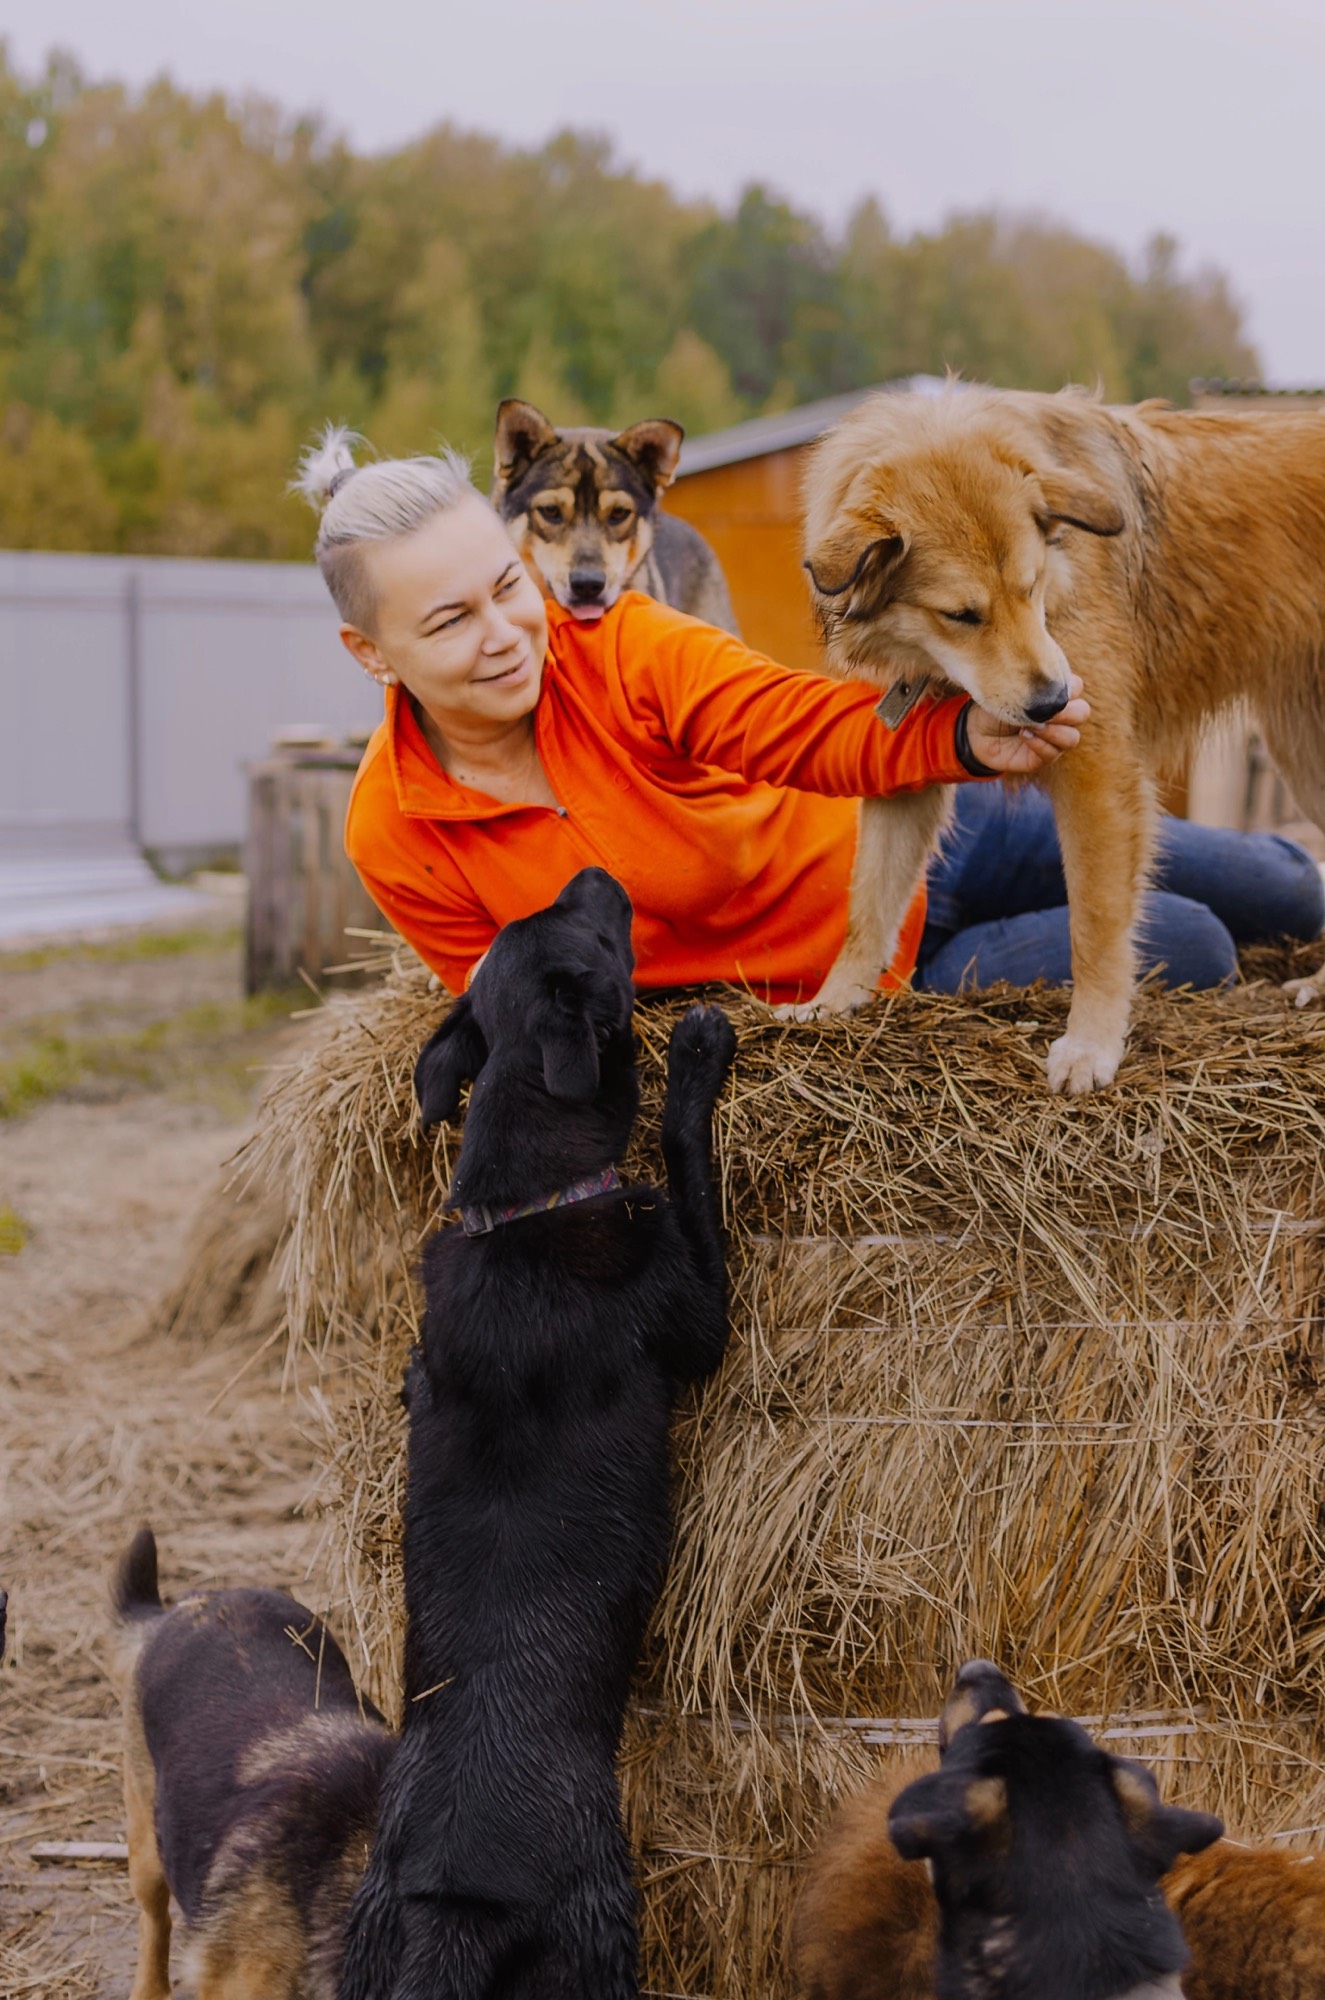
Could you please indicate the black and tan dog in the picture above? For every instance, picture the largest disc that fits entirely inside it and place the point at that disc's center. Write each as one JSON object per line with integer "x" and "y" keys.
{"x": 251, "y": 1781}
{"x": 582, "y": 507}
{"x": 565, "y": 1316}
{"x": 1044, "y": 1856}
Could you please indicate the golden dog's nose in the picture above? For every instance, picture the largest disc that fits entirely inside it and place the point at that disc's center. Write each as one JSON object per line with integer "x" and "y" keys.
{"x": 1047, "y": 707}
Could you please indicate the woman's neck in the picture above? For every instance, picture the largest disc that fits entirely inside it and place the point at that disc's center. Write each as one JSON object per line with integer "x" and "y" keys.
{"x": 501, "y": 760}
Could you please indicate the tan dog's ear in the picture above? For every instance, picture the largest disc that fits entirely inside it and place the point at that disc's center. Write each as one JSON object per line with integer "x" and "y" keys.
{"x": 653, "y": 447}
{"x": 850, "y": 569}
{"x": 522, "y": 432}
{"x": 1079, "y": 502}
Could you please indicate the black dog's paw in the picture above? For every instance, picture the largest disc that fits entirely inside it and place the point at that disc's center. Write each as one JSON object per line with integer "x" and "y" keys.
{"x": 701, "y": 1049}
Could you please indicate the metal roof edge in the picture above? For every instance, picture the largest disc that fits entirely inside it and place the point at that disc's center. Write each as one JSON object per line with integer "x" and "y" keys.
{"x": 1222, "y": 385}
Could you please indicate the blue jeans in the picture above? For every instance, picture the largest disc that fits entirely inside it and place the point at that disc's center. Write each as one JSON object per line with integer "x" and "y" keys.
{"x": 998, "y": 900}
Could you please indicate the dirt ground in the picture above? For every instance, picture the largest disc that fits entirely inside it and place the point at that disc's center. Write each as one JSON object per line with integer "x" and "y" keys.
{"x": 128, "y": 1074}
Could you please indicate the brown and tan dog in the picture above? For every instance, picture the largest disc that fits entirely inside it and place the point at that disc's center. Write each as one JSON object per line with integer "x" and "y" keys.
{"x": 251, "y": 1786}
{"x": 1175, "y": 559}
{"x": 581, "y": 505}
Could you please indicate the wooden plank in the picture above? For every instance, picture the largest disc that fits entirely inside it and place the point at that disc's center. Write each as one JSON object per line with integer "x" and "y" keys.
{"x": 79, "y": 1850}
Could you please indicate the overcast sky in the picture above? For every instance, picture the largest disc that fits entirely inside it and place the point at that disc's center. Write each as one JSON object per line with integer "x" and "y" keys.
{"x": 1203, "y": 117}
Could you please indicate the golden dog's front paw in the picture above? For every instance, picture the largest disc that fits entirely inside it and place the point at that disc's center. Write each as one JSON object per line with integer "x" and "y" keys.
{"x": 795, "y": 1010}
{"x": 1306, "y": 992}
{"x": 826, "y": 1003}
{"x": 1077, "y": 1066}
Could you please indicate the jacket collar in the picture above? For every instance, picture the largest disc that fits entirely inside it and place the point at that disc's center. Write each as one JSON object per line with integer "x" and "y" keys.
{"x": 423, "y": 789}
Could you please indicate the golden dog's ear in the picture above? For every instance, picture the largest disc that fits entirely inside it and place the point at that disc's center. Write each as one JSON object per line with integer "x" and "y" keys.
{"x": 653, "y": 447}
{"x": 522, "y": 432}
{"x": 850, "y": 569}
{"x": 1078, "y": 502}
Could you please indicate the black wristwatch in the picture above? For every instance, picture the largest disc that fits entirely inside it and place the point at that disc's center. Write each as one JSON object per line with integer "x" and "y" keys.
{"x": 961, "y": 743}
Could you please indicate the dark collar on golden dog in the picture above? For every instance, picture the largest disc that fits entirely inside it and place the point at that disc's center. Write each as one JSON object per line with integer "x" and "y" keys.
{"x": 481, "y": 1220}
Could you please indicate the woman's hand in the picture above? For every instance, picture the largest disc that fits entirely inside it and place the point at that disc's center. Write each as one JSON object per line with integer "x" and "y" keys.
{"x": 1022, "y": 751}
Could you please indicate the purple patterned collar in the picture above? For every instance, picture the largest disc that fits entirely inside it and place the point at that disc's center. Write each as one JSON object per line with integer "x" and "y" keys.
{"x": 479, "y": 1221}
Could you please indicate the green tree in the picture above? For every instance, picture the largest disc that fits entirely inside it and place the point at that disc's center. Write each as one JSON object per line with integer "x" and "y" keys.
{"x": 1174, "y": 329}
{"x": 52, "y": 495}
{"x": 188, "y": 285}
{"x": 762, "y": 294}
{"x": 694, "y": 388}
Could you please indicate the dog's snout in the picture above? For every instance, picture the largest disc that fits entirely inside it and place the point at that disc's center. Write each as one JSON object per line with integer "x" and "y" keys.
{"x": 587, "y": 585}
{"x": 1048, "y": 705}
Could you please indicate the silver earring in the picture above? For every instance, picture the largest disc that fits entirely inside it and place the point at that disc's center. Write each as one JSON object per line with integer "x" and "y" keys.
{"x": 388, "y": 680}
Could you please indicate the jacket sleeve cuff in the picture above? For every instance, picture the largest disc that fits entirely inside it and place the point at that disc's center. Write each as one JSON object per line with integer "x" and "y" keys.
{"x": 961, "y": 743}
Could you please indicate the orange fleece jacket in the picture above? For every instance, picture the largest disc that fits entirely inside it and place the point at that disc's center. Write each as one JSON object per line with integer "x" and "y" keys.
{"x": 720, "y": 790}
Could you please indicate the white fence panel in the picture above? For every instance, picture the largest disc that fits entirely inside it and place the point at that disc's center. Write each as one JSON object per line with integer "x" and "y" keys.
{"x": 134, "y": 690}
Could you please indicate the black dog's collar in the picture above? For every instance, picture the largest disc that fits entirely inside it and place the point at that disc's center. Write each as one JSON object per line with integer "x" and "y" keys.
{"x": 479, "y": 1221}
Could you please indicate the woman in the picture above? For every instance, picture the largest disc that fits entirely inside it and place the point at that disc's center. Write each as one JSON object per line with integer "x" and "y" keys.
{"x": 521, "y": 743}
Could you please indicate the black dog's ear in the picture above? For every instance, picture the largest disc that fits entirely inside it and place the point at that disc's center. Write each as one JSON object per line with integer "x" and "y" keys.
{"x": 570, "y": 1056}
{"x": 454, "y": 1055}
{"x": 935, "y": 1813}
{"x": 1161, "y": 1832}
{"x": 522, "y": 432}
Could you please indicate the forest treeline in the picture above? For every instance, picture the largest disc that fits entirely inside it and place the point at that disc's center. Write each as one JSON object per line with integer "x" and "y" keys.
{"x": 188, "y": 285}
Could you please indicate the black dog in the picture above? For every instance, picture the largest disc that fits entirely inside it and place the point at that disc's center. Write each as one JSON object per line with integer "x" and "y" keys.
{"x": 563, "y": 1318}
{"x": 1046, "y": 1855}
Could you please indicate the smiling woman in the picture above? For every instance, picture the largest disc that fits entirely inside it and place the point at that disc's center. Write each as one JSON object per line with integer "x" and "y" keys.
{"x": 521, "y": 744}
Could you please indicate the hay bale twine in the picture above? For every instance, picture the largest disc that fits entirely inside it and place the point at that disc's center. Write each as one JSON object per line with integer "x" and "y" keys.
{"x": 1009, "y": 1375}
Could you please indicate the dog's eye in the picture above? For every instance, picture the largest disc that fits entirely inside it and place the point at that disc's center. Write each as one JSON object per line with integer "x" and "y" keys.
{"x": 552, "y": 515}
{"x": 967, "y": 617}
{"x": 617, "y": 517}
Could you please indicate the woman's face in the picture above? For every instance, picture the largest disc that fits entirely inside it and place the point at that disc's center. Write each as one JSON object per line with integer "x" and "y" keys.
{"x": 459, "y": 620}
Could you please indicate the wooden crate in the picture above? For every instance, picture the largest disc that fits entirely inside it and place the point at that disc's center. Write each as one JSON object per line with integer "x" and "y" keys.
{"x": 303, "y": 892}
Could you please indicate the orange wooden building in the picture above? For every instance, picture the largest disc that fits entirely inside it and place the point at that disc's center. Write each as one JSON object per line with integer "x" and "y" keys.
{"x": 741, "y": 489}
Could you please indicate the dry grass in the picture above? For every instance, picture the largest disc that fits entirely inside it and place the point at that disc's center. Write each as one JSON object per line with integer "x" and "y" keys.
{"x": 98, "y": 1436}
{"x": 28, "y": 1968}
{"x": 1008, "y": 1375}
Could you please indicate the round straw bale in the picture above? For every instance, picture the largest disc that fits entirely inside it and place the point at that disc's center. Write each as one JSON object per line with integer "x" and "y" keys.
{"x": 229, "y": 1277}
{"x": 1010, "y": 1375}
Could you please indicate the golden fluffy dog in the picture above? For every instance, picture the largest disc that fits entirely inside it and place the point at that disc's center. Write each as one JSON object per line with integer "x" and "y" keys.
{"x": 1175, "y": 559}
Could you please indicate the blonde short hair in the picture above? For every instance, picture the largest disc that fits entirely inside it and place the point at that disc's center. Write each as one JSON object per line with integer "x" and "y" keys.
{"x": 371, "y": 503}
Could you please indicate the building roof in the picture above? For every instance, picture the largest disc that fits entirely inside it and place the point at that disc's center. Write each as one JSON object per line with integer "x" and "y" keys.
{"x": 762, "y": 435}
{"x": 1218, "y": 385}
